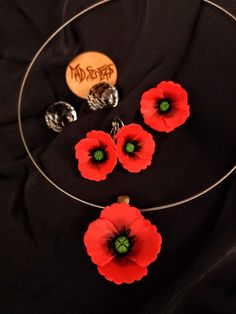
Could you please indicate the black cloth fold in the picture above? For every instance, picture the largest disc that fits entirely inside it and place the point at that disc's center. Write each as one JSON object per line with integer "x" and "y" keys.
{"x": 44, "y": 267}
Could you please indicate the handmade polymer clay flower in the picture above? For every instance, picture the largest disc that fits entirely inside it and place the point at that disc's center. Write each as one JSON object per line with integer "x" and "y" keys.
{"x": 135, "y": 147}
{"x": 96, "y": 155}
{"x": 165, "y": 107}
{"x": 122, "y": 243}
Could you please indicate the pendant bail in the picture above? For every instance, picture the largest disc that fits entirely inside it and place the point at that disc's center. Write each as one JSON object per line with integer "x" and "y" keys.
{"x": 123, "y": 199}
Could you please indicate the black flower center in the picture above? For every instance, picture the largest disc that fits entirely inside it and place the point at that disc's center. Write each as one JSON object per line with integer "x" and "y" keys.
{"x": 121, "y": 243}
{"x": 98, "y": 155}
{"x": 130, "y": 147}
{"x": 164, "y": 106}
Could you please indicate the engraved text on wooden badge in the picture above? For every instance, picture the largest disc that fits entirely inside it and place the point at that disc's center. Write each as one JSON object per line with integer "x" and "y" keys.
{"x": 88, "y": 69}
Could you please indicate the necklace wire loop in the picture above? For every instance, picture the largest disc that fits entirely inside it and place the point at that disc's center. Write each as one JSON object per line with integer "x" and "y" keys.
{"x": 156, "y": 208}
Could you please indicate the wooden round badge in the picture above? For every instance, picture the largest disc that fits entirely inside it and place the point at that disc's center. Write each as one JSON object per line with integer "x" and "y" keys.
{"x": 88, "y": 69}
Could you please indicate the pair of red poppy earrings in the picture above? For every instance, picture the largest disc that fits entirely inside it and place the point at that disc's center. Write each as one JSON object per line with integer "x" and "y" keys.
{"x": 164, "y": 108}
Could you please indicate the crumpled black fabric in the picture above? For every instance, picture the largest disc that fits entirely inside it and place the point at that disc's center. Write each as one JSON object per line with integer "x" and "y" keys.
{"x": 44, "y": 267}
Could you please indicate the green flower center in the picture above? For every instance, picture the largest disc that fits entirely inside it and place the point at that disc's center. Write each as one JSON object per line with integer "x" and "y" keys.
{"x": 129, "y": 148}
{"x": 122, "y": 244}
{"x": 164, "y": 106}
{"x": 99, "y": 155}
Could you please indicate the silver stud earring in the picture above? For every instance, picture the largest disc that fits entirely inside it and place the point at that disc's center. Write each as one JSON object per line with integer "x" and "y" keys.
{"x": 102, "y": 96}
{"x": 60, "y": 114}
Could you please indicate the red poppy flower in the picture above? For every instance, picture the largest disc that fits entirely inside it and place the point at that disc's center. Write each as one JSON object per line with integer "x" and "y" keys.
{"x": 165, "y": 107}
{"x": 122, "y": 243}
{"x": 96, "y": 155}
{"x": 135, "y": 147}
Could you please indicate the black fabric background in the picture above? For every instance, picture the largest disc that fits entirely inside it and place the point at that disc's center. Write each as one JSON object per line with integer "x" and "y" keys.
{"x": 44, "y": 268}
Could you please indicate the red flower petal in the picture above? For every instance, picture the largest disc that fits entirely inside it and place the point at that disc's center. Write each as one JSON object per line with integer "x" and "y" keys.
{"x": 92, "y": 171}
{"x": 149, "y": 101}
{"x": 176, "y": 119}
{"x": 147, "y": 243}
{"x": 96, "y": 171}
{"x": 136, "y": 164}
{"x": 123, "y": 158}
{"x": 120, "y": 215}
{"x": 83, "y": 147}
{"x": 153, "y": 95}
{"x": 104, "y": 138}
{"x": 173, "y": 91}
{"x": 148, "y": 110}
{"x": 122, "y": 270}
{"x": 147, "y": 145}
{"x": 108, "y": 165}
{"x": 181, "y": 105}
{"x": 129, "y": 131}
{"x": 157, "y": 122}
{"x": 96, "y": 241}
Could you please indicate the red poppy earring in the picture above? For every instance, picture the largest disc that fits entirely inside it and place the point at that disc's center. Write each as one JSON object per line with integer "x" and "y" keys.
{"x": 98, "y": 153}
{"x": 165, "y": 107}
{"x": 135, "y": 147}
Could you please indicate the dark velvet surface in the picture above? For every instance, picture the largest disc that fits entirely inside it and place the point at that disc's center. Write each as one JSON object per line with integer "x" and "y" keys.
{"x": 44, "y": 267}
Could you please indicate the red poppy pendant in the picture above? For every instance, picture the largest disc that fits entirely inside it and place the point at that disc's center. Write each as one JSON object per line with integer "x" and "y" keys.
{"x": 122, "y": 243}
